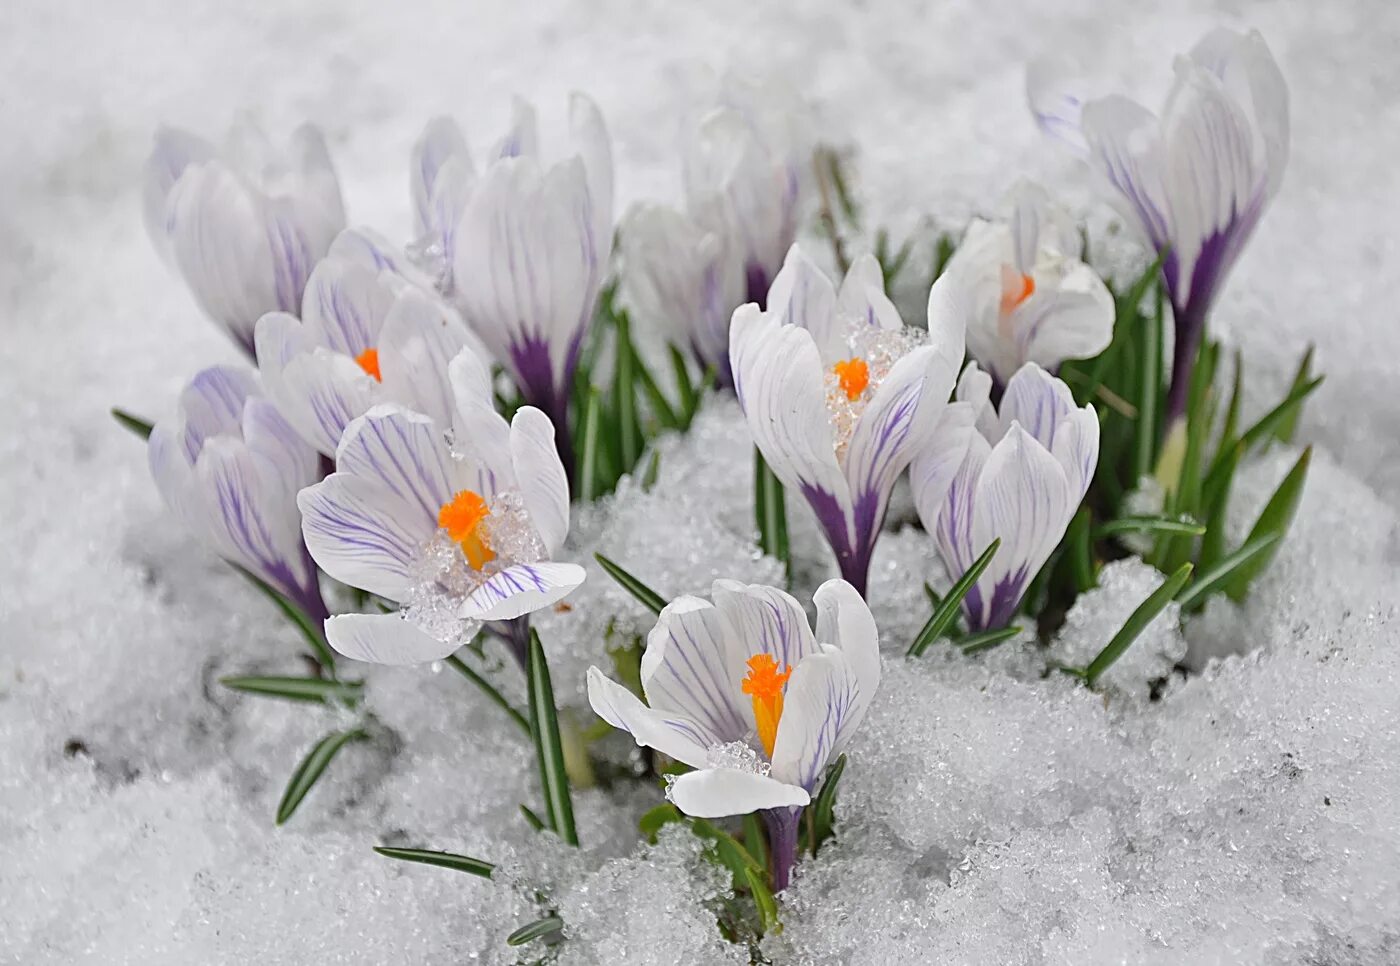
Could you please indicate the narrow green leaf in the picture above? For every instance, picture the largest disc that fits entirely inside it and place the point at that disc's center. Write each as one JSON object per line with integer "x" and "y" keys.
{"x": 661, "y": 407}
{"x": 443, "y": 860}
{"x": 1079, "y": 547}
{"x": 1215, "y": 496}
{"x": 549, "y": 749}
{"x": 763, "y": 900}
{"x": 755, "y": 841}
{"x": 135, "y": 424}
{"x": 653, "y": 471}
{"x": 531, "y": 819}
{"x": 942, "y": 252}
{"x": 1228, "y": 433}
{"x": 488, "y": 689}
{"x": 1150, "y": 389}
{"x": 728, "y": 850}
{"x": 643, "y": 594}
{"x": 307, "y": 690}
{"x": 310, "y": 769}
{"x": 654, "y": 819}
{"x": 946, "y": 611}
{"x": 843, "y": 193}
{"x": 1275, "y": 518}
{"x": 1194, "y": 596}
{"x": 689, "y": 396}
{"x": 1270, "y": 422}
{"x": 986, "y": 640}
{"x": 1173, "y": 525}
{"x": 629, "y": 431}
{"x": 1136, "y": 622}
{"x": 770, "y": 511}
{"x": 313, "y": 634}
{"x": 589, "y": 474}
{"x": 933, "y": 598}
{"x": 824, "y": 806}
{"x": 1288, "y": 425}
{"x": 539, "y": 929}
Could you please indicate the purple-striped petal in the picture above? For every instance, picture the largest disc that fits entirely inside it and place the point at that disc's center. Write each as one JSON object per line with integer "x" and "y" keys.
{"x": 822, "y": 706}
{"x": 764, "y": 620}
{"x": 403, "y": 452}
{"x": 385, "y": 639}
{"x": 520, "y": 590}
{"x": 692, "y": 667}
{"x": 674, "y": 735}
{"x": 359, "y": 535}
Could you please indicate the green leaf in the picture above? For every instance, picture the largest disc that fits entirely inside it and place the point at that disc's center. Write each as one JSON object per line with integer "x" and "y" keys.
{"x": 644, "y": 595}
{"x": 654, "y": 819}
{"x": 653, "y": 471}
{"x": 531, "y": 819}
{"x": 589, "y": 473}
{"x": 689, "y": 396}
{"x": 307, "y": 690}
{"x": 1275, "y": 518}
{"x": 488, "y": 689}
{"x": 539, "y": 929}
{"x": 1288, "y": 425}
{"x": 661, "y": 407}
{"x": 310, "y": 769}
{"x": 313, "y": 634}
{"x": 755, "y": 841}
{"x": 1228, "y": 434}
{"x": 549, "y": 749}
{"x": 629, "y": 433}
{"x": 986, "y": 640}
{"x": 763, "y": 900}
{"x": 1149, "y": 391}
{"x": 135, "y": 424}
{"x": 824, "y": 806}
{"x": 443, "y": 860}
{"x": 1216, "y": 498}
{"x": 770, "y": 511}
{"x": 727, "y": 850}
{"x": 1173, "y": 525}
{"x": 1211, "y": 580}
{"x": 942, "y": 252}
{"x": 1269, "y": 424}
{"x": 945, "y": 613}
{"x": 1136, "y": 622}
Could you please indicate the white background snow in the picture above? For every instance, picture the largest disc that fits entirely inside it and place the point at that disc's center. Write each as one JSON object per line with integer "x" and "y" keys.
{"x": 988, "y": 815}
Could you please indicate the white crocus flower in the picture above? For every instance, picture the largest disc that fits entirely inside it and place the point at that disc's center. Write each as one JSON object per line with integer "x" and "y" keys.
{"x": 372, "y": 330}
{"x": 229, "y": 467}
{"x": 1194, "y": 179}
{"x": 839, "y": 395}
{"x": 522, "y": 247}
{"x": 457, "y": 529}
{"x": 1032, "y": 298}
{"x": 1017, "y": 473}
{"x": 743, "y": 692}
{"x": 243, "y": 226}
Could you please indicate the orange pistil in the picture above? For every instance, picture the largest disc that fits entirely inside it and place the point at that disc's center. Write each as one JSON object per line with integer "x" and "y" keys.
{"x": 1015, "y": 289}
{"x": 764, "y": 684}
{"x": 369, "y": 362}
{"x": 462, "y": 517}
{"x": 853, "y": 375}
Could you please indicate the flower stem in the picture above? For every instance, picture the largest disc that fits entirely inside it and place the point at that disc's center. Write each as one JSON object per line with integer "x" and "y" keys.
{"x": 782, "y": 824}
{"x": 515, "y": 634}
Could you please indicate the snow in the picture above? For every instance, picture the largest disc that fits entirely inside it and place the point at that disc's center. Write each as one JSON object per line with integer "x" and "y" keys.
{"x": 989, "y": 814}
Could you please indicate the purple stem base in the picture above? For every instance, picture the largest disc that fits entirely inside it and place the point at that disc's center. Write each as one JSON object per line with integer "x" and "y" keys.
{"x": 782, "y": 824}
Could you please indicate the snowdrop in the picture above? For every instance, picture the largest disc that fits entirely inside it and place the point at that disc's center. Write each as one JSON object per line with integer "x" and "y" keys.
{"x": 1017, "y": 474}
{"x": 1195, "y": 179}
{"x": 1032, "y": 298}
{"x": 458, "y": 530}
{"x": 744, "y": 693}
{"x": 229, "y": 467}
{"x": 839, "y": 395}
{"x": 243, "y": 226}
{"x": 369, "y": 333}
{"x": 522, "y": 247}
{"x": 745, "y": 178}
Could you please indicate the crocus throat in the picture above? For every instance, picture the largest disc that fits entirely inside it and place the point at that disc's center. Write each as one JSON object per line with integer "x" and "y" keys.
{"x": 369, "y": 362}
{"x": 462, "y": 517}
{"x": 764, "y": 684}
{"x": 1015, "y": 289}
{"x": 853, "y": 375}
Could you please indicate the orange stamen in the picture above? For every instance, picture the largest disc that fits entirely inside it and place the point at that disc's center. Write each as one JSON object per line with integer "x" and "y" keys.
{"x": 369, "y": 362}
{"x": 1015, "y": 289}
{"x": 462, "y": 517}
{"x": 853, "y": 375}
{"x": 764, "y": 684}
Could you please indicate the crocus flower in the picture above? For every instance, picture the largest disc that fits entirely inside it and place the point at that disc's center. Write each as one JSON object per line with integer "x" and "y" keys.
{"x": 839, "y": 395}
{"x": 744, "y": 693}
{"x": 1195, "y": 179}
{"x": 372, "y": 330}
{"x": 245, "y": 225}
{"x": 528, "y": 253}
{"x": 229, "y": 467}
{"x": 1032, "y": 298}
{"x": 456, "y": 530}
{"x": 1017, "y": 474}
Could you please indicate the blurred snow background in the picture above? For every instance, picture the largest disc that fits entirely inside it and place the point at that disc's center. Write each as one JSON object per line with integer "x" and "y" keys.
{"x": 989, "y": 815}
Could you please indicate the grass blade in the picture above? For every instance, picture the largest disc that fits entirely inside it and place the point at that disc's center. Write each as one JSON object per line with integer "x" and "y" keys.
{"x": 946, "y": 611}
{"x": 488, "y": 689}
{"x": 589, "y": 469}
{"x": 629, "y": 431}
{"x": 1136, "y": 622}
{"x": 531, "y": 819}
{"x": 1275, "y": 518}
{"x": 643, "y": 594}
{"x": 824, "y": 806}
{"x": 1173, "y": 525}
{"x": 133, "y": 423}
{"x": 539, "y": 929}
{"x": 1219, "y": 575}
{"x": 310, "y": 769}
{"x": 763, "y": 899}
{"x": 313, "y": 634}
{"x": 306, "y": 690}
{"x": 1288, "y": 425}
{"x": 685, "y": 388}
{"x": 1150, "y": 389}
{"x": 661, "y": 407}
{"x": 770, "y": 511}
{"x": 443, "y": 860}
{"x": 986, "y": 640}
{"x": 549, "y": 749}
{"x": 1270, "y": 423}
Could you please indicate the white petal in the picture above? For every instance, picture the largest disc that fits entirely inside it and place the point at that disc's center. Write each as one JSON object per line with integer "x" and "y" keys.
{"x": 590, "y": 135}
{"x": 975, "y": 389}
{"x": 1247, "y": 68}
{"x": 540, "y": 476}
{"x": 320, "y": 392}
{"x": 823, "y": 705}
{"x": 844, "y": 621}
{"x": 174, "y": 151}
{"x": 692, "y": 667}
{"x": 481, "y": 436}
{"x": 950, "y": 306}
{"x": 934, "y": 469}
{"x": 384, "y": 639}
{"x": 345, "y": 303}
{"x": 1056, "y": 101}
{"x": 718, "y": 792}
{"x": 1073, "y": 320}
{"x": 862, "y": 296}
{"x": 420, "y": 338}
{"x": 405, "y": 453}
{"x": 359, "y": 534}
{"x": 673, "y": 735}
{"x": 1124, "y": 146}
{"x": 252, "y": 520}
{"x": 522, "y": 139}
{"x": 764, "y": 620}
{"x": 953, "y": 523}
{"x": 802, "y": 295}
{"x": 441, "y": 141}
{"x": 1077, "y": 450}
{"x": 521, "y": 589}
{"x": 1038, "y": 401}
{"x": 320, "y": 208}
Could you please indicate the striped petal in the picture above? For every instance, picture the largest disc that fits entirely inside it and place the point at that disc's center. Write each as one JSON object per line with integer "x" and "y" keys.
{"x": 718, "y": 792}
{"x": 673, "y": 735}
{"x": 174, "y": 151}
{"x": 862, "y": 296}
{"x": 544, "y": 485}
{"x": 441, "y": 141}
{"x": 420, "y": 338}
{"x": 594, "y": 147}
{"x": 346, "y": 303}
{"x": 692, "y": 666}
{"x": 521, "y": 589}
{"x": 404, "y": 453}
{"x": 385, "y": 639}
{"x": 844, "y": 622}
{"x": 823, "y": 705}
{"x": 802, "y": 295}
{"x": 359, "y": 534}
{"x": 763, "y": 620}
